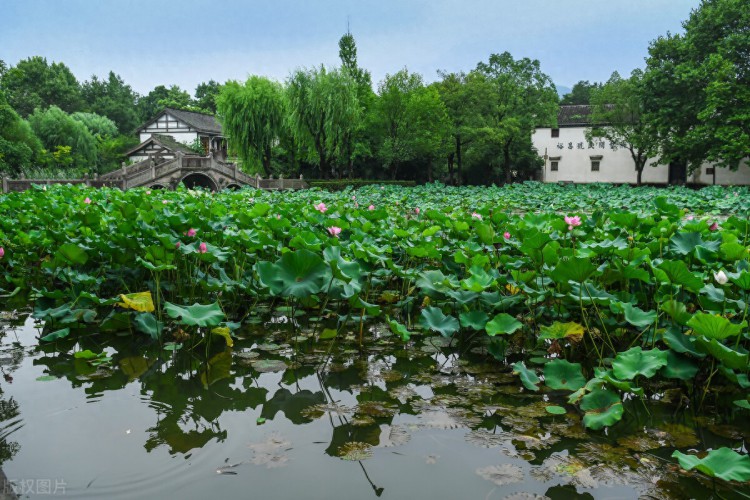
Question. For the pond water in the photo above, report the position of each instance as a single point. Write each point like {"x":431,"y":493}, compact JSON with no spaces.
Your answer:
{"x":278,"y":416}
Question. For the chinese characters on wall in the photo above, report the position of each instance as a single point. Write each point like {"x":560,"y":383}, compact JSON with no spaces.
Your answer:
{"x":590,"y":145}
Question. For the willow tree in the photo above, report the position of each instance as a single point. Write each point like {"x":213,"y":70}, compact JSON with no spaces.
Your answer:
{"x":252,"y":115}
{"x":323,"y":111}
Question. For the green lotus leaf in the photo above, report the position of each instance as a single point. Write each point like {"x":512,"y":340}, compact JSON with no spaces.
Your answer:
{"x":502,"y":324}
{"x":677,"y":311}
{"x":476,"y":320}
{"x":638,"y":317}
{"x":681,"y":343}
{"x":714,"y":327}
{"x":56,"y":335}
{"x":729,"y":357}
{"x":296,"y":274}
{"x":434,"y":319}
{"x":677,"y":273}
{"x":603,"y":408}
{"x":560,"y":374}
{"x":679,"y":367}
{"x":529,"y":379}
{"x":72,"y":253}
{"x":479,"y":280}
{"x":399,"y":329}
{"x":555,"y":410}
{"x":147,"y":323}
{"x":635,"y":361}
{"x":574,"y":269}
{"x":723,"y":463}
{"x":195,"y":315}
{"x":685,"y":243}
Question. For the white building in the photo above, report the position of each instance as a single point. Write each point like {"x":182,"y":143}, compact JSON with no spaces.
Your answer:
{"x":173,"y":129}
{"x":569,"y":157}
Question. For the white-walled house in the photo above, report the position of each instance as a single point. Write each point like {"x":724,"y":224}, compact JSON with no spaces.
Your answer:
{"x":569,"y":157}
{"x":173,"y":129}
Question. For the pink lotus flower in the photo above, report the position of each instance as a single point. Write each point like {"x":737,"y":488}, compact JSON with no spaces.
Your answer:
{"x":356,"y":205}
{"x":87,"y":201}
{"x":191,"y":232}
{"x":148,"y":192}
{"x":714,"y":226}
{"x":371,"y":207}
{"x":164,"y":202}
{"x":251,"y":200}
{"x":416,"y":210}
{"x":690,"y":217}
{"x":2,"y":252}
{"x":354,"y":198}
{"x":177,"y":245}
{"x":278,"y":216}
{"x":572,"y":222}
{"x":202,"y":248}
{"x":506,"y":235}
{"x":476,"y":216}
{"x":334,"y":231}
{"x":321,"y":207}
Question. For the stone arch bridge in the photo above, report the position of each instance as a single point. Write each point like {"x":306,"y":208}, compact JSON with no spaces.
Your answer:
{"x":167,"y":173}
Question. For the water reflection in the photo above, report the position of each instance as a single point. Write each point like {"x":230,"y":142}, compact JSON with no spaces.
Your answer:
{"x":389,"y":409}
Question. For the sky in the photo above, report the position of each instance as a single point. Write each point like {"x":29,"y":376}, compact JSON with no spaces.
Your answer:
{"x":186,"y":42}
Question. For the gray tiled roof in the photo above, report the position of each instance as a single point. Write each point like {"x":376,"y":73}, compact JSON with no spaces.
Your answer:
{"x":200,"y":121}
{"x":573,"y":115}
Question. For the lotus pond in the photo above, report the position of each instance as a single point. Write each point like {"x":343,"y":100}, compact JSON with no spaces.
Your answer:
{"x":530,"y":341}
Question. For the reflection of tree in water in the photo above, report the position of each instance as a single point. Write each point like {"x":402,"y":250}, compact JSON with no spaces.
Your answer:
{"x":183,"y":397}
{"x":10,"y":360}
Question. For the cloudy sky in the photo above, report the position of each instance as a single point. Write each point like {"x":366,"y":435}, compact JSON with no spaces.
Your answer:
{"x":185,"y":42}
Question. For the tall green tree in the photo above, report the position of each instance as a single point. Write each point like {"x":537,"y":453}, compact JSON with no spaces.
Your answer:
{"x":466,"y":97}
{"x":113,"y":98}
{"x":34,"y":83}
{"x":162,"y":97}
{"x":19,"y":147}
{"x":323,"y":110}
{"x":205,"y":96}
{"x":252,"y":115}
{"x":697,"y":87}
{"x":617,"y":114}
{"x":523,"y":97}
{"x":395,"y":119}
{"x":57,"y":129}
{"x":356,"y":142}
{"x":580,"y":93}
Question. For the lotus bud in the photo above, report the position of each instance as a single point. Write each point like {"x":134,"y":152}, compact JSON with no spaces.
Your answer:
{"x":721,"y":278}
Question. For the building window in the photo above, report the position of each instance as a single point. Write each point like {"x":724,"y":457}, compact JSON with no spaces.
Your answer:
{"x":709,"y":170}
{"x":555,"y":132}
{"x":595,"y":165}
{"x":553,"y":166}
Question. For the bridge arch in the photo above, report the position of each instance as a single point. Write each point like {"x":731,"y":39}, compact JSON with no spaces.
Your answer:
{"x":158,"y":186}
{"x":232,"y":187}
{"x":197,"y":179}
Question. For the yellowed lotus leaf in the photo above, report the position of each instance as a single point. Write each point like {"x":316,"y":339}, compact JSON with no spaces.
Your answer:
{"x":512,"y":289}
{"x":223,"y":331}
{"x":141,"y":302}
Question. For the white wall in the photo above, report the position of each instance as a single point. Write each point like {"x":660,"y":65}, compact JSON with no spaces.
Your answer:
{"x":616,"y":165}
{"x":183,"y":137}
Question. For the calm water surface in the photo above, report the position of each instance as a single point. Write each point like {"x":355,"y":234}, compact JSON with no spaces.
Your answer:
{"x":280,"y":417}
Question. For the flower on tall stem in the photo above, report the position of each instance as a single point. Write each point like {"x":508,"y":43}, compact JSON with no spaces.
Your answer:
{"x":334,"y":231}
{"x":202,"y":248}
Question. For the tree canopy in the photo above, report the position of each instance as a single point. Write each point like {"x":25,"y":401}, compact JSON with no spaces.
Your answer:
{"x":34,"y":83}
{"x":252,"y":115}
{"x":697,"y":86}
{"x":617,"y":114}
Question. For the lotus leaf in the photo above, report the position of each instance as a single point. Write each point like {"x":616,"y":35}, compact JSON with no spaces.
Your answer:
{"x":635,"y":361}
{"x":723,"y":463}
{"x":196,"y":315}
